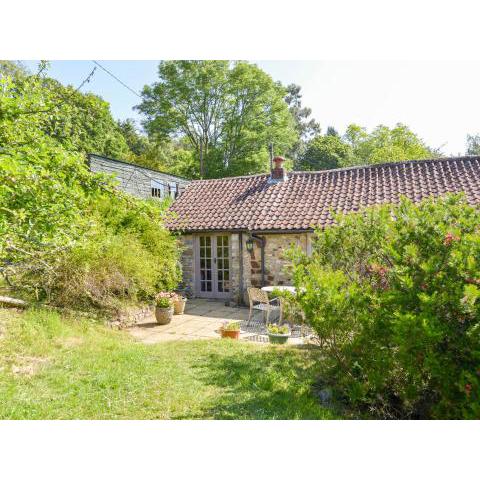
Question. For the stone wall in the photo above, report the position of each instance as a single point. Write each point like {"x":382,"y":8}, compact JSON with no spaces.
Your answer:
{"x":133,"y":179}
{"x":277,"y":266}
{"x":187,"y":245}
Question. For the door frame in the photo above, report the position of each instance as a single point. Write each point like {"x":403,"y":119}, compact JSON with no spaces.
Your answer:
{"x":214,"y":293}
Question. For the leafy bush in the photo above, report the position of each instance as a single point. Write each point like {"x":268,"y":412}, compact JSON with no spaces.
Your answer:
{"x":231,"y":326}
{"x":67,"y":236}
{"x":163,"y":302}
{"x":275,"y":329}
{"x":393,"y":293}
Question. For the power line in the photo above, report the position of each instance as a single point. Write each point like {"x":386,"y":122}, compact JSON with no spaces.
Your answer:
{"x":116,"y":78}
{"x":87,"y":80}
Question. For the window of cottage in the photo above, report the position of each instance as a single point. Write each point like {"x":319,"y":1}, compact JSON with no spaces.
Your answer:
{"x":157,"y":189}
{"x":173,"y":189}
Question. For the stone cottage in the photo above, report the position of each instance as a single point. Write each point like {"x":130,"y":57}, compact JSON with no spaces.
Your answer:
{"x":139,"y":181}
{"x":236,"y":230}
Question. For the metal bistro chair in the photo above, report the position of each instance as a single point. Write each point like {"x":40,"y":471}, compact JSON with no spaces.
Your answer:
{"x":259,"y":301}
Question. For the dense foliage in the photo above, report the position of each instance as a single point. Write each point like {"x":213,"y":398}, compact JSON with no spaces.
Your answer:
{"x":325,"y":152}
{"x":393,"y":293}
{"x":80,"y":122}
{"x":358,"y":147}
{"x":227,"y":112}
{"x":66,"y":235}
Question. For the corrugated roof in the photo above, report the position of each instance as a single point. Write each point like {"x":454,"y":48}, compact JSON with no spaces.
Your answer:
{"x":305,"y":199}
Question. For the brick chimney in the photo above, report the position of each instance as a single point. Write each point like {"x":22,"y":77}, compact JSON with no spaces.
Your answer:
{"x":278,"y":174}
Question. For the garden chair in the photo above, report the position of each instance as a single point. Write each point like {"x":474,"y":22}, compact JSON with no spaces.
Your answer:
{"x":259,"y":301}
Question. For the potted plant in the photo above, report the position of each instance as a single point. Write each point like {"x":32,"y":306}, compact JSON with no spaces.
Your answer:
{"x":179,"y":302}
{"x":278,"y":334}
{"x":164,"y":307}
{"x":230,"y":330}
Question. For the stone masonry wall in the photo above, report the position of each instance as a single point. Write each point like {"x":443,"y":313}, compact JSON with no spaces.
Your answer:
{"x":277,"y":267}
{"x":188,"y":262}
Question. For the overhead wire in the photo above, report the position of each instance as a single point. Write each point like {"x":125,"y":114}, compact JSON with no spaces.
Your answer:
{"x":116,"y":78}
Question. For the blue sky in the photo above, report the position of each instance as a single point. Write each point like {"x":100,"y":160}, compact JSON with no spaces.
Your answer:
{"x":439,"y":100}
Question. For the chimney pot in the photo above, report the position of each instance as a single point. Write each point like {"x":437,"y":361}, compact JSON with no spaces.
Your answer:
{"x":278,"y":173}
{"x":278,"y":162}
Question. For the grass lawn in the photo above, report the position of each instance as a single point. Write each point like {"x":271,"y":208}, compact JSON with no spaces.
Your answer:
{"x":63,"y":368}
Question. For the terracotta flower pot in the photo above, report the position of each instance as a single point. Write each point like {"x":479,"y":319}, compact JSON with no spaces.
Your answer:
{"x":179,"y":306}
{"x":235,"y":334}
{"x":164,"y":315}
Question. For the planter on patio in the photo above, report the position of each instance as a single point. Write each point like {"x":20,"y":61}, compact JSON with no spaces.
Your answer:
{"x":164,"y":315}
{"x":230,"y":330}
{"x":278,"y":338}
{"x":179,"y":305}
{"x":277,"y":334}
{"x":164,"y":307}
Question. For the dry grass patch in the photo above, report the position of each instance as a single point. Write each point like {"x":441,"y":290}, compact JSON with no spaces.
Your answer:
{"x":28,"y":366}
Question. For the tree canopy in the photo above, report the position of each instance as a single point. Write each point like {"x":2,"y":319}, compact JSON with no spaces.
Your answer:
{"x":386,"y":144}
{"x":325,"y":152}
{"x":358,"y":147}
{"x":228,"y":112}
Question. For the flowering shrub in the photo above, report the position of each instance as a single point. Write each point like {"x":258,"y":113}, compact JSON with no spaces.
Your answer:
{"x":393,"y":292}
{"x":171,"y":295}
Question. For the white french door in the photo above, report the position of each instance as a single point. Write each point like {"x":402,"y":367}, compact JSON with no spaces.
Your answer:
{"x":213,"y":266}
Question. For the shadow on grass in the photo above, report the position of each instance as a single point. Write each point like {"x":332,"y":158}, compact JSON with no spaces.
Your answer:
{"x":267,"y":383}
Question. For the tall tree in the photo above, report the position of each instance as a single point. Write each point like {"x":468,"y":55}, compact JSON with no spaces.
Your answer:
{"x":325,"y":152}
{"x":137,"y":143}
{"x":227,"y":111}
{"x":305,"y":126}
{"x":473,"y":144}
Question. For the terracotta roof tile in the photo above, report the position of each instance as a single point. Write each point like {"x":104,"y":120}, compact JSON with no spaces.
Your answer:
{"x":307,"y":198}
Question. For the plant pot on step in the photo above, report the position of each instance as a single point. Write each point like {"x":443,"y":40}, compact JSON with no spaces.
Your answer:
{"x":179,"y":305}
{"x":164,"y":315}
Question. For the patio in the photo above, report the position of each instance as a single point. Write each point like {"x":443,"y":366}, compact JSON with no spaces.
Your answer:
{"x":200,"y":321}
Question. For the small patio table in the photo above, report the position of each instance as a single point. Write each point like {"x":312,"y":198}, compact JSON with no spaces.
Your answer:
{"x":280,"y":288}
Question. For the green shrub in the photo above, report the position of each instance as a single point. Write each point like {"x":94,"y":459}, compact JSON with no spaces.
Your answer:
{"x":163,"y":302}
{"x":393,"y":293}
{"x":275,"y":329}
{"x":128,"y":257}
{"x":67,"y":236}
{"x":231,"y":326}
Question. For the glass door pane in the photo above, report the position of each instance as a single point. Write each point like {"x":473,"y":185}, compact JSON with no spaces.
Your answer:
{"x":223,"y":266}
{"x":206,"y":283}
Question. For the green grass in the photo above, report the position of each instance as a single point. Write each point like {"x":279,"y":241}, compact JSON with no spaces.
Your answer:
{"x":65,"y":368}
